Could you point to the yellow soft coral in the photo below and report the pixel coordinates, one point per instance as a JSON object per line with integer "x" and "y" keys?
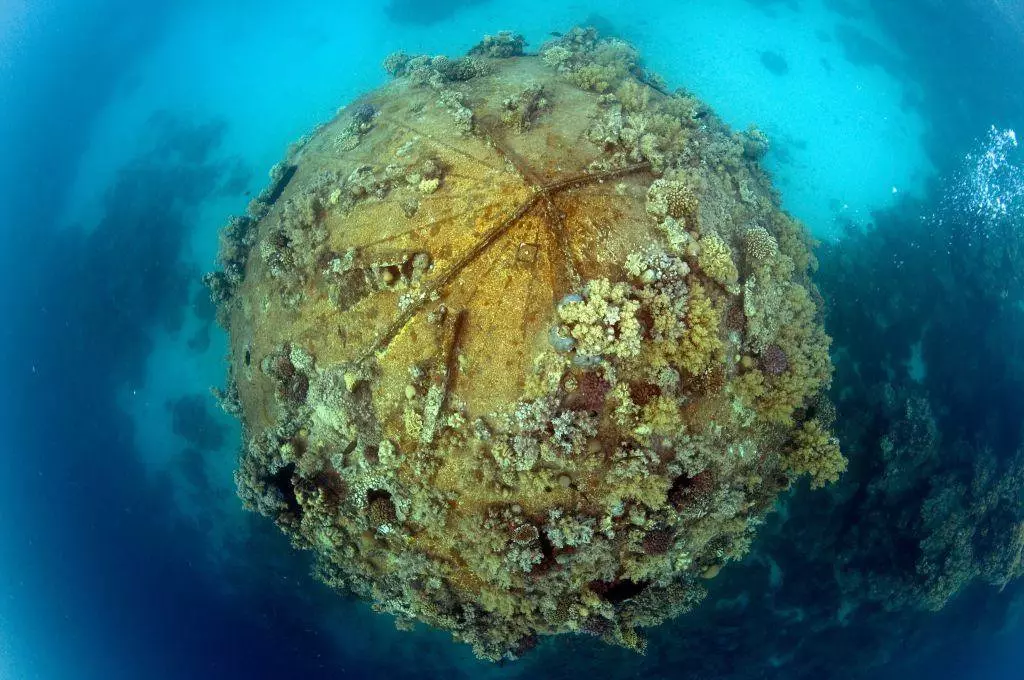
{"x": 701, "y": 344}
{"x": 798, "y": 336}
{"x": 715, "y": 260}
{"x": 603, "y": 320}
{"x": 806, "y": 346}
{"x": 795, "y": 243}
{"x": 596, "y": 77}
{"x": 589, "y": 63}
{"x": 815, "y": 452}
{"x": 748, "y": 389}
{"x": 633, "y": 96}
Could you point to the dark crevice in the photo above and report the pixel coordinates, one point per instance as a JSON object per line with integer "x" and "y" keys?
{"x": 617, "y": 592}
{"x": 282, "y": 481}
{"x": 279, "y": 186}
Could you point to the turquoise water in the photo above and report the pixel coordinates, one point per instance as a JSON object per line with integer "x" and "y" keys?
{"x": 132, "y": 131}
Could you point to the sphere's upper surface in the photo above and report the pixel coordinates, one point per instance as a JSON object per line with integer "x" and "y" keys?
{"x": 523, "y": 345}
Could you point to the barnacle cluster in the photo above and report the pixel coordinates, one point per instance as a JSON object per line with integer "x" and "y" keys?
{"x": 524, "y": 345}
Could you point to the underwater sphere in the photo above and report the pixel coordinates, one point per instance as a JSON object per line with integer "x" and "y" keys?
{"x": 523, "y": 344}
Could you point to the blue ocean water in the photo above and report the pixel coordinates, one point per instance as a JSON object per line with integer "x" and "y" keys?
{"x": 131, "y": 131}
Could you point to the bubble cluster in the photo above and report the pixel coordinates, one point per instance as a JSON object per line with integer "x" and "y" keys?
{"x": 986, "y": 196}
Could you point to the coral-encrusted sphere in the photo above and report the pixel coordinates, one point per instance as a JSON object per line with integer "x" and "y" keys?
{"x": 523, "y": 345}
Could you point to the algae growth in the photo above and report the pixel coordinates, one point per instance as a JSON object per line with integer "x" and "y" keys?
{"x": 523, "y": 344}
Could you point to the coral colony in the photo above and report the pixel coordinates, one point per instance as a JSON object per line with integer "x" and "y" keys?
{"x": 523, "y": 344}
